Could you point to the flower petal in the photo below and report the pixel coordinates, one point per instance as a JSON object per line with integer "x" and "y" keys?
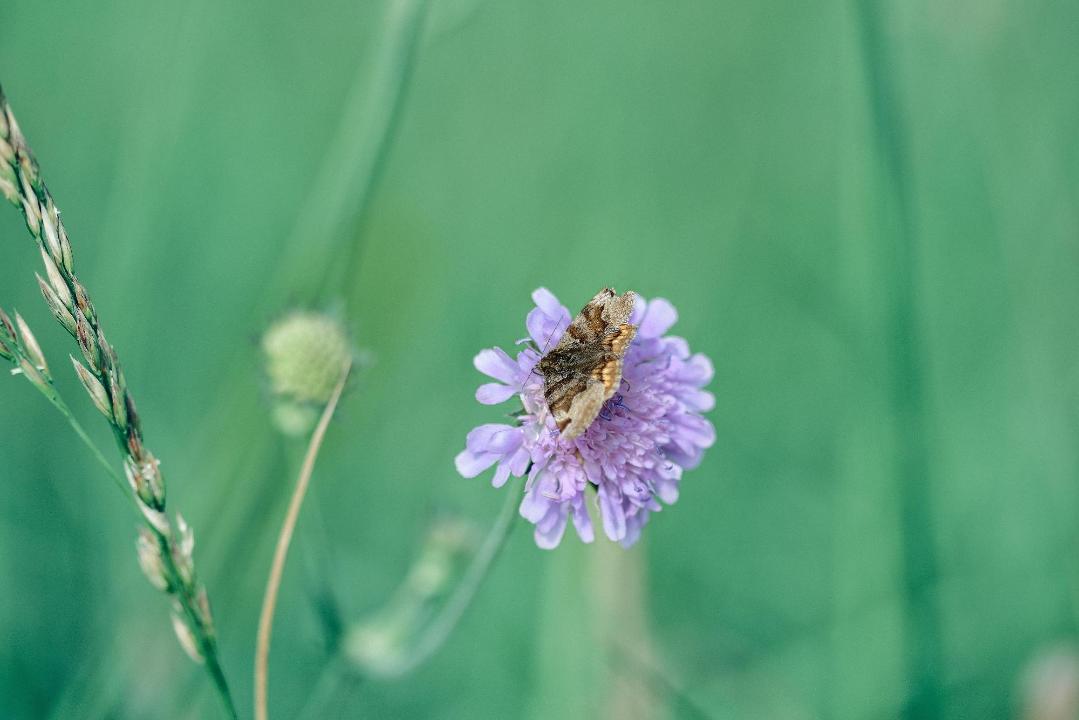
{"x": 547, "y": 302}
{"x": 698, "y": 400}
{"x": 610, "y": 509}
{"x": 502, "y": 474}
{"x": 497, "y": 364}
{"x": 581, "y": 521}
{"x": 695, "y": 429}
{"x": 534, "y": 506}
{"x": 518, "y": 462}
{"x": 633, "y": 531}
{"x": 675, "y": 346}
{"x": 696, "y": 370}
{"x": 470, "y": 464}
{"x": 687, "y": 458}
{"x": 658, "y": 318}
{"x": 549, "y": 532}
{"x": 548, "y": 320}
{"x": 494, "y": 438}
{"x": 667, "y": 491}
{"x": 545, "y": 330}
{"x": 494, "y": 393}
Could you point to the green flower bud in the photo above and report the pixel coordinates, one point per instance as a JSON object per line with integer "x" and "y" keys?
{"x": 304, "y": 354}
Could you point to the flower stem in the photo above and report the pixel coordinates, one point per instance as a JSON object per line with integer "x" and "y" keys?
{"x": 447, "y": 618}
{"x": 273, "y": 584}
{"x": 338, "y": 670}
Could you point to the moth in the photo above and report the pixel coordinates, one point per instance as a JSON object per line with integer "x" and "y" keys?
{"x": 584, "y": 369}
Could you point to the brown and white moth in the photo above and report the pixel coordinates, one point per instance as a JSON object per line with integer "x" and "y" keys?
{"x": 585, "y": 368}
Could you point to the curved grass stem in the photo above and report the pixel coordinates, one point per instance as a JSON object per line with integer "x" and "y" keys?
{"x": 284, "y": 538}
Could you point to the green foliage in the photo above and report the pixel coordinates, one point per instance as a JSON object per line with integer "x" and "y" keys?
{"x": 865, "y": 213}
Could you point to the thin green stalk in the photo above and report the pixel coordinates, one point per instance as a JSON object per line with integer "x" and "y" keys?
{"x": 324, "y": 689}
{"x": 58, "y": 403}
{"x": 21, "y": 349}
{"x": 436, "y": 632}
{"x": 352, "y": 165}
{"x": 925, "y": 654}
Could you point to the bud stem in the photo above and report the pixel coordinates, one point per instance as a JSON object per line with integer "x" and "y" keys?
{"x": 273, "y": 583}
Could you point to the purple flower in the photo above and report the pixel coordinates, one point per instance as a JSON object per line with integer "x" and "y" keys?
{"x": 633, "y": 454}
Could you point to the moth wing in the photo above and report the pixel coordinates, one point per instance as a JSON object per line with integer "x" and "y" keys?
{"x": 585, "y": 368}
{"x": 582, "y": 410}
{"x": 610, "y": 372}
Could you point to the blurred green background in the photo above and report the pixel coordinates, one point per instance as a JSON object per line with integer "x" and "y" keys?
{"x": 865, "y": 212}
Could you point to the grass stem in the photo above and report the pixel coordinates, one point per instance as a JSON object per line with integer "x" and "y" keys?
{"x": 288, "y": 527}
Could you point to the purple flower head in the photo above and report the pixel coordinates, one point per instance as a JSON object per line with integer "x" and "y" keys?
{"x": 633, "y": 454}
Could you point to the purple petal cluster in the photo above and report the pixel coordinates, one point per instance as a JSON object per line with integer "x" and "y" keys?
{"x": 634, "y": 453}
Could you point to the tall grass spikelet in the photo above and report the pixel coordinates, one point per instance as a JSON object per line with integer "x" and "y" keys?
{"x": 21, "y": 349}
{"x": 165, "y": 550}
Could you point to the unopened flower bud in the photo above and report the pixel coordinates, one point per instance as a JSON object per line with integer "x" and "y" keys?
{"x": 389, "y": 642}
{"x": 1051, "y": 685}
{"x": 449, "y": 543}
{"x": 377, "y": 648}
{"x": 304, "y": 354}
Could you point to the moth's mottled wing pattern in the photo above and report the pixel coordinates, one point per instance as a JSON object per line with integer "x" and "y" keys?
{"x": 584, "y": 370}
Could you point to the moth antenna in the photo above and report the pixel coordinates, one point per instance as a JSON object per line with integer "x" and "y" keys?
{"x": 547, "y": 342}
